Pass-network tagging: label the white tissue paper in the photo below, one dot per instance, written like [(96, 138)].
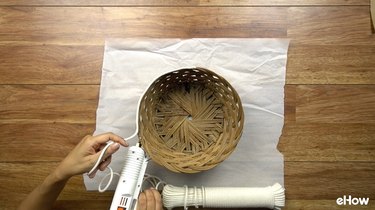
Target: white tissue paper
[(255, 68)]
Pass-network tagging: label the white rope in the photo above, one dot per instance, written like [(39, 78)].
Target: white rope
[(154, 181), (186, 196), (100, 189), (100, 158), (195, 197), (272, 197), (203, 196)]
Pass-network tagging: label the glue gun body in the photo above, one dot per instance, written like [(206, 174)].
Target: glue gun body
[(130, 182)]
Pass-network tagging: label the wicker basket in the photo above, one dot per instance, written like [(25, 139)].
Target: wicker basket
[(190, 120)]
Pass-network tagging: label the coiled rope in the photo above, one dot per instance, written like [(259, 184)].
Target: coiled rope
[(272, 197)]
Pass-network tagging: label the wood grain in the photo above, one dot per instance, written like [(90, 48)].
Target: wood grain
[(40, 141), (335, 103), (48, 103), (334, 177), (74, 55), (313, 107), (64, 64), (92, 25), (331, 64), (290, 205), (336, 142), (314, 103), (329, 180), (330, 25), (171, 3), (299, 141), (290, 103), (50, 62), (28, 176), (322, 205)]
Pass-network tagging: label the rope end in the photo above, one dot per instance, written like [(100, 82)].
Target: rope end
[(279, 196)]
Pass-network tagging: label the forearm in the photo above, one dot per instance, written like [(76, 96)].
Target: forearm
[(44, 195)]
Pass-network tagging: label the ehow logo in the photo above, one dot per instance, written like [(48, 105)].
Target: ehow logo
[(349, 200)]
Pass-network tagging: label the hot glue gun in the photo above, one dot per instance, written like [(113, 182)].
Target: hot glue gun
[(131, 178)]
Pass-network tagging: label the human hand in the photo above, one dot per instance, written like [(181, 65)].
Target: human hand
[(149, 200), (84, 156)]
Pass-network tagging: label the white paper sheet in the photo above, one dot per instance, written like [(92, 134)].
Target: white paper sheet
[(255, 68)]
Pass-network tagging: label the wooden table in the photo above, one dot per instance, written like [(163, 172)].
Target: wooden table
[(51, 55)]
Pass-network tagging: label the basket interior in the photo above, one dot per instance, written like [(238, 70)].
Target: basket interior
[(190, 116)]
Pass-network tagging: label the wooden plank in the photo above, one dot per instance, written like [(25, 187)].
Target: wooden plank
[(290, 205), (48, 103), (50, 64), (328, 142), (26, 176), (331, 64), (290, 103), (330, 45), (329, 180), (68, 205), (82, 204), (299, 141), (183, 3), (308, 25), (335, 103), (330, 25), (40, 141), (63, 103), (323, 205), (56, 64), (92, 25), (303, 180), (77, 103), (321, 139)]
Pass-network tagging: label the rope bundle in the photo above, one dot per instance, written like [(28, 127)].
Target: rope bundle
[(190, 120), (272, 197)]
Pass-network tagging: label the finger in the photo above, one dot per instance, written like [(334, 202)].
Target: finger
[(150, 200), (158, 201), (103, 138), (142, 202), (111, 149), (103, 165), (92, 175), (99, 147)]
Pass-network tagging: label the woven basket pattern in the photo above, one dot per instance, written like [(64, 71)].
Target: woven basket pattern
[(190, 120)]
